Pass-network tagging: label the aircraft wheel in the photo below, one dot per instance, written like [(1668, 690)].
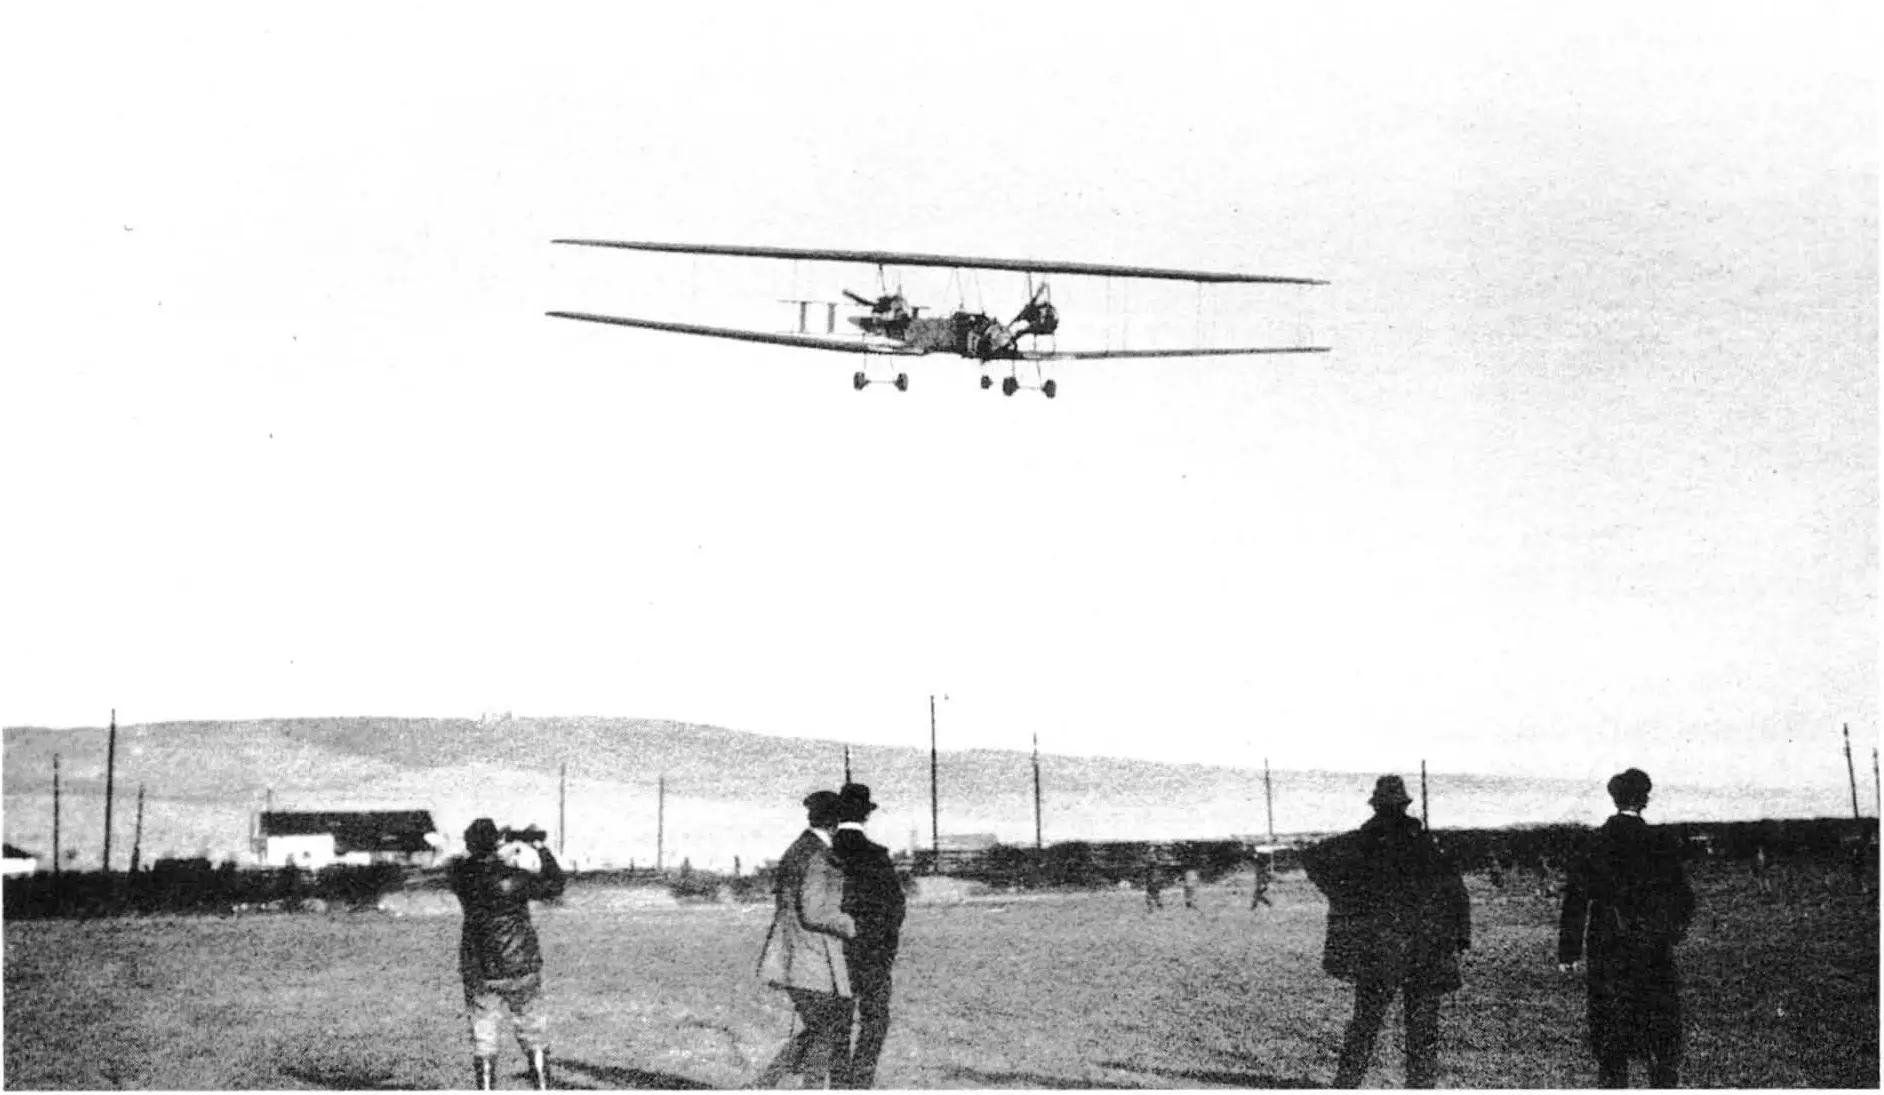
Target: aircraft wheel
[(1009, 386), (902, 382), (1049, 388), (986, 382), (858, 381)]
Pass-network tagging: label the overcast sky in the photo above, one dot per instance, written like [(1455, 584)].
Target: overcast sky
[(1590, 478)]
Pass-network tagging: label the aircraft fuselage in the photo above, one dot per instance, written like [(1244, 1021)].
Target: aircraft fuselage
[(967, 334)]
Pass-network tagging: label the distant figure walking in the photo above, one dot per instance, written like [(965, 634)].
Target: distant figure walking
[(804, 952), (1626, 904), (873, 897), (1398, 917), (1154, 886), (498, 957), (1191, 882), (1259, 888)]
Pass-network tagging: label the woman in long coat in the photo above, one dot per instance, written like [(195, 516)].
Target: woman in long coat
[(804, 950)]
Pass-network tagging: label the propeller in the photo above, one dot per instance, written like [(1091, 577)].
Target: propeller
[(861, 299), (1032, 303), (1039, 317)]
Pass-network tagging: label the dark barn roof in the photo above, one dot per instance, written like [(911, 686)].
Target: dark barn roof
[(356, 831)]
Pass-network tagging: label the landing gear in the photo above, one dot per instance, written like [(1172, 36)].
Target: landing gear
[(1049, 388), (1009, 386), (986, 382), (861, 380)]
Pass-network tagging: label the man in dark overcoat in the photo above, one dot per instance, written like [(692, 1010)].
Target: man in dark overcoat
[(1626, 903), (804, 950), (1398, 917), (873, 896)]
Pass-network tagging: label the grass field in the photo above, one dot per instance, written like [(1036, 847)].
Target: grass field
[(1063, 991)]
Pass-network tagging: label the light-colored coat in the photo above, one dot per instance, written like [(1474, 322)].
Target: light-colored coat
[(805, 947)]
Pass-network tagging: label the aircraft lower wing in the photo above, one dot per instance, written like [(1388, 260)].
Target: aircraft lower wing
[(808, 342), (1098, 355)]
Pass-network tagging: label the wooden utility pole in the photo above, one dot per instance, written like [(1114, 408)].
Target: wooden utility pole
[(55, 814), (935, 807), (1426, 818), (137, 834), (660, 821), (1852, 770), (846, 763), (111, 764), (1039, 832), (562, 807), (1269, 802), (1877, 791)]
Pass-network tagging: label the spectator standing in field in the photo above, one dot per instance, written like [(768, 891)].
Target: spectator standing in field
[(1154, 885), (1191, 882), (1398, 917), (1626, 904), (804, 952), (498, 957), (873, 898), (1259, 888)]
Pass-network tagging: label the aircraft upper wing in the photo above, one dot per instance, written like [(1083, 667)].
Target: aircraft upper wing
[(809, 342), (1097, 355), (901, 258)]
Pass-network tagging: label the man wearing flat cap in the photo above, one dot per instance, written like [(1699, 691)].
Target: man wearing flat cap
[(873, 896), (1626, 903), (1398, 917), (804, 950)]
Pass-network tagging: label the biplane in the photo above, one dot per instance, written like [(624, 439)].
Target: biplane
[(893, 326)]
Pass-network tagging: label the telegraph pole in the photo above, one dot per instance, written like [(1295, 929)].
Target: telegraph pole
[(1877, 791), (935, 806), (111, 764), (660, 821), (137, 834), (1039, 842), (1426, 818), (1852, 770), (562, 807), (847, 763), (1269, 802), (55, 813)]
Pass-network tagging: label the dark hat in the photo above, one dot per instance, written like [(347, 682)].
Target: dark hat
[(480, 835), (1389, 791), (856, 801), (822, 807), (1630, 788)]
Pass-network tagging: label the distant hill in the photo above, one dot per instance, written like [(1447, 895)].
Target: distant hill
[(729, 793)]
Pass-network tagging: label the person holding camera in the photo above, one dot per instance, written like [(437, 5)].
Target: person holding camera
[(501, 873)]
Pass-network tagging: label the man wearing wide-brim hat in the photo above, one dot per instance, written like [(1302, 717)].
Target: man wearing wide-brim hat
[(1398, 917), (873, 896)]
